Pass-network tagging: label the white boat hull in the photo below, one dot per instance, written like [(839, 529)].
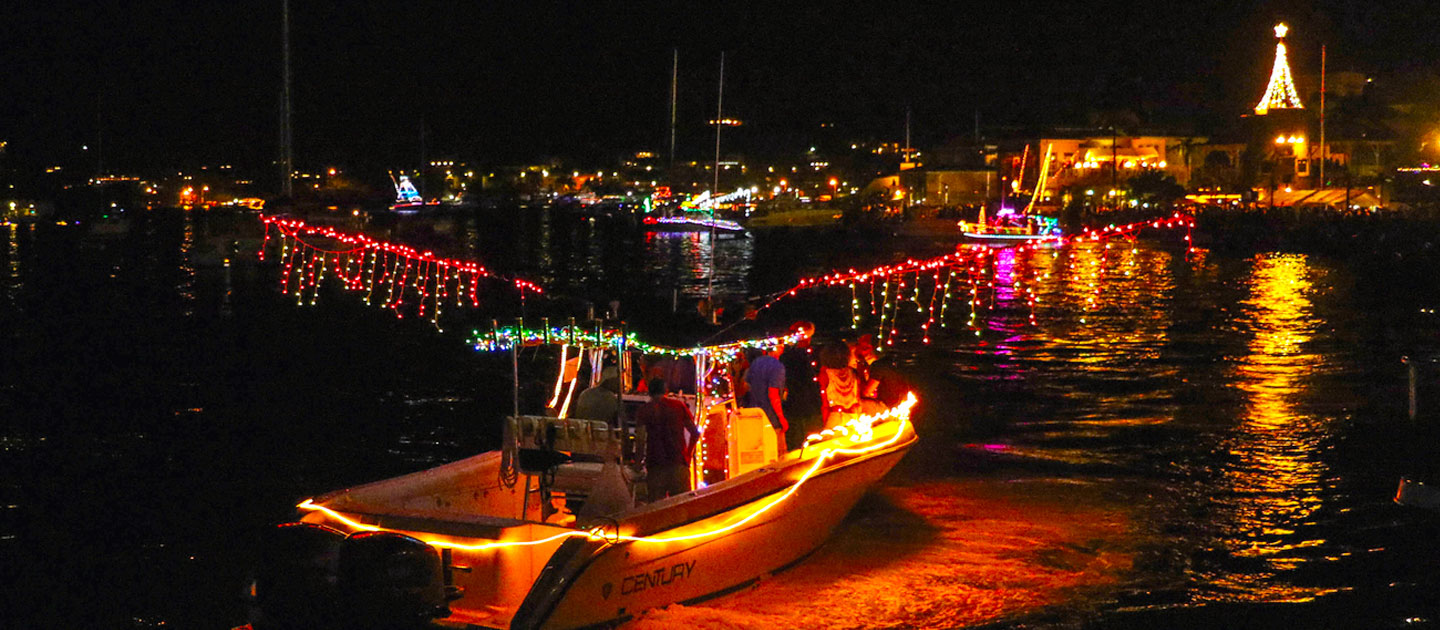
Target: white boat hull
[(521, 573), (616, 582)]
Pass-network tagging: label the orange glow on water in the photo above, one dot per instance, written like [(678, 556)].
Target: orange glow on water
[(938, 555)]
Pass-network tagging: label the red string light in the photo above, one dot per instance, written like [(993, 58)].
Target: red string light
[(354, 259), (889, 285)]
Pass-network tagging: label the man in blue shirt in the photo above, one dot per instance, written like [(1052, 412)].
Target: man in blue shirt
[(766, 381)]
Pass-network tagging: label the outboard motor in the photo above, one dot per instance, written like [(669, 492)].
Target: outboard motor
[(388, 580), (294, 580)]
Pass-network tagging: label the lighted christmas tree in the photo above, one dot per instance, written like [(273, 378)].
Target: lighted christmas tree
[(1281, 93)]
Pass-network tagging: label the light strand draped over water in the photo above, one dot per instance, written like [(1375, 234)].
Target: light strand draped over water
[(387, 272)]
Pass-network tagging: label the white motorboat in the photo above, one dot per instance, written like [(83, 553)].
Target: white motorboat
[(553, 530)]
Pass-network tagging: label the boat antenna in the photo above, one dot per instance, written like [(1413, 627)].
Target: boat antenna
[(99, 134), (286, 158), (719, 122)]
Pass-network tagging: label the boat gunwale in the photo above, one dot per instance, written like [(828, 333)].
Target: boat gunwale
[(765, 482), (724, 490), (600, 547)]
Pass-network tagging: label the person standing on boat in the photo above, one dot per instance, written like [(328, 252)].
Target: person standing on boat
[(802, 388), (602, 401), (765, 382), (840, 385), (670, 437), (886, 382)]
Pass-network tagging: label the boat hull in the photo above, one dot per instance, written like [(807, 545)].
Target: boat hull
[(1417, 494), (597, 582), (521, 573)]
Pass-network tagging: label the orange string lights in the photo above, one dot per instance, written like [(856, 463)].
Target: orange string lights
[(899, 413)]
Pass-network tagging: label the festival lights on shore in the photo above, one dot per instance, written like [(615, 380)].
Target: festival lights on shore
[(1280, 92), (396, 276)]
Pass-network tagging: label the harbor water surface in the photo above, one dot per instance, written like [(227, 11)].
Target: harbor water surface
[(1121, 435)]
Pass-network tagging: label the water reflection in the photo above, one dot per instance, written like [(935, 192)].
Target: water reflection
[(186, 287), (1277, 478), (13, 284), (688, 262), (1084, 324)]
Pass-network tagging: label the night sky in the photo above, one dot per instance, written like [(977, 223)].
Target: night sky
[(170, 83)]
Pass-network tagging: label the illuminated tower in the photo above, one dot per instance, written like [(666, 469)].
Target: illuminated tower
[(1280, 93)]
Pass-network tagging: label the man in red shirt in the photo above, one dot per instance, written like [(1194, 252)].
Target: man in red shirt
[(670, 437)]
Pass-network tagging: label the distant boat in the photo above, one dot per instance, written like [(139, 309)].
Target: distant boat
[(693, 223), (1417, 494), (698, 215), (1013, 228), (407, 198)]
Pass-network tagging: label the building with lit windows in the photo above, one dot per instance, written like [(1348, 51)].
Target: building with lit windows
[(1067, 161)]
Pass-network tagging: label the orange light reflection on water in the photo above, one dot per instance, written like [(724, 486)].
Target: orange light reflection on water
[(1276, 480), (937, 555)]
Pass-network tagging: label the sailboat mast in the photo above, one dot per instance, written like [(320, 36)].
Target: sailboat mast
[(674, 88), (1324, 150), (286, 158), (719, 122), (907, 133)]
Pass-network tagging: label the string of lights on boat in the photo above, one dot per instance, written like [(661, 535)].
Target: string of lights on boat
[(507, 337), (386, 272), (900, 414)]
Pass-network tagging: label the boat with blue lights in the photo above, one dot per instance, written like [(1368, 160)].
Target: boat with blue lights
[(555, 529), (408, 199)]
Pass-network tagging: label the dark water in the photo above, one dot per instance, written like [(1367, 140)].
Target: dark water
[(1129, 436)]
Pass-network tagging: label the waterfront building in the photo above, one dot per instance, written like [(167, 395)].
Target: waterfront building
[(1277, 151), (1098, 163)]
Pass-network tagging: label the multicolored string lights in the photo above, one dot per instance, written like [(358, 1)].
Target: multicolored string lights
[(506, 337), (972, 273), (398, 277)]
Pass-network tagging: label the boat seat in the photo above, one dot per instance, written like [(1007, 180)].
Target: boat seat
[(575, 436)]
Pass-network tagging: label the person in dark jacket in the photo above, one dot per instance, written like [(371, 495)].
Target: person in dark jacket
[(670, 437), (802, 390)]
